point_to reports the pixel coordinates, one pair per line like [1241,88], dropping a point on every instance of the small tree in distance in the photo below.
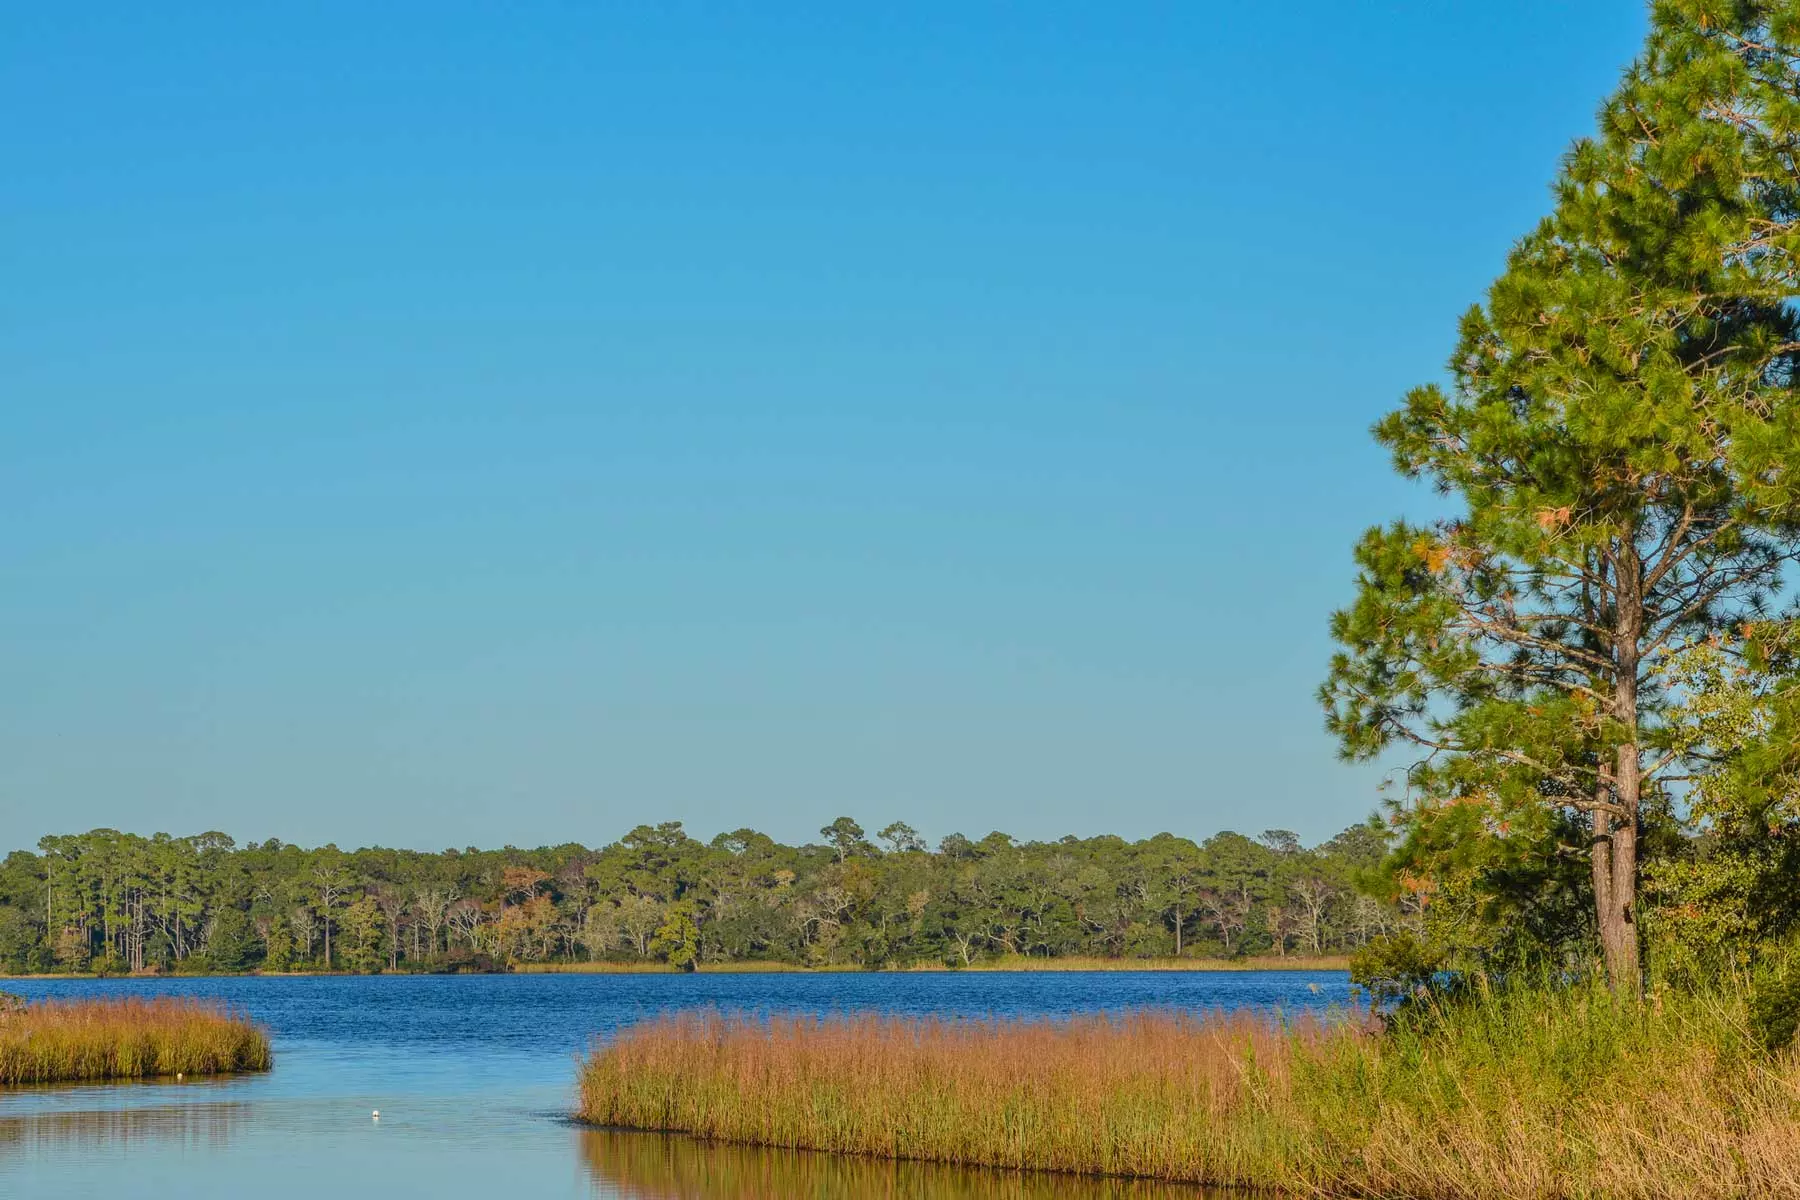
[845,837]
[677,942]
[901,838]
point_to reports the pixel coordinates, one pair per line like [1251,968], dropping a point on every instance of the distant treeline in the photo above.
[117,902]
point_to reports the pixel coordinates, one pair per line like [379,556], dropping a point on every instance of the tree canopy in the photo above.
[117,902]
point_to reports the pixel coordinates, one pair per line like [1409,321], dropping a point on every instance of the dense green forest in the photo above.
[117,902]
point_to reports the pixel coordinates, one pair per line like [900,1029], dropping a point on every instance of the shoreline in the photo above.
[995,966]
[1329,962]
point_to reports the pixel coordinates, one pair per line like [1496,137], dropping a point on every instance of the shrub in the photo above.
[1396,967]
[1774,1014]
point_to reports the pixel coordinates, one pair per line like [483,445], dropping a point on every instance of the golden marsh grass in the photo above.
[60,1041]
[1529,1095]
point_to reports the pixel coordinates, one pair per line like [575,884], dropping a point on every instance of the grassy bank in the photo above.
[59,1041]
[1528,1095]
[1009,963]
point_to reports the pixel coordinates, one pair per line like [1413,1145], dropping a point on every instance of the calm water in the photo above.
[474,1076]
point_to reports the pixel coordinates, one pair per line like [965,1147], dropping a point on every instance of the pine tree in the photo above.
[1618,445]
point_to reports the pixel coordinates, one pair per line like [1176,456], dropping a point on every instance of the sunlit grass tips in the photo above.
[1531,1094]
[57,1041]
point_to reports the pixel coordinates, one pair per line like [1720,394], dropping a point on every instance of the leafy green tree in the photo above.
[18,940]
[1731,895]
[231,942]
[677,942]
[1174,878]
[845,837]
[361,924]
[955,845]
[901,838]
[331,882]
[639,917]
[278,944]
[1615,447]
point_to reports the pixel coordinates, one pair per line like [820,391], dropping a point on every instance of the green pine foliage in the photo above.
[1617,445]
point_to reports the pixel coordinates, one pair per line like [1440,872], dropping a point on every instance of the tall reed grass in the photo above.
[57,1041]
[1540,1095]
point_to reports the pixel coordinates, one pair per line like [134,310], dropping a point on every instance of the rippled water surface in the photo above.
[474,1076]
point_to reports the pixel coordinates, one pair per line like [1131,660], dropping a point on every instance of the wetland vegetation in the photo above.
[123,1037]
[1516,1093]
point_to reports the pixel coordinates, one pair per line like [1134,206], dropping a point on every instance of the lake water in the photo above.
[475,1075]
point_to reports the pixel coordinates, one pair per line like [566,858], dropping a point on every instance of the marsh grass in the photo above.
[1533,1094]
[59,1041]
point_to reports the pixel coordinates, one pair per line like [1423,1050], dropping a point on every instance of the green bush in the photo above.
[1396,967]
[1774,1010]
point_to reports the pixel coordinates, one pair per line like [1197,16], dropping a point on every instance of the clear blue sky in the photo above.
[462,423]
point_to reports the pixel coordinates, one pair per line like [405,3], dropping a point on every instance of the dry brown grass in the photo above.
[56,1041]
[1543,1095]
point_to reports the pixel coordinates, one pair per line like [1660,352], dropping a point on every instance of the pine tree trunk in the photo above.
[1616,901]
[1600,855]
[1618,922]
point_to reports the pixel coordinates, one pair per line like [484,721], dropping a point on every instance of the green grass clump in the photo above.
[60,1041]
[1538,1094]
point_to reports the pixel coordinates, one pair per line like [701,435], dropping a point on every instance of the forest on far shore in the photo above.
[113,902]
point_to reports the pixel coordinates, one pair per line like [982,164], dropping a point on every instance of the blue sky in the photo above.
[452,424]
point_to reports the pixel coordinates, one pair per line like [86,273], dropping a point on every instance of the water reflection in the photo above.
[206,1126]
[656,1166]
[473,1076]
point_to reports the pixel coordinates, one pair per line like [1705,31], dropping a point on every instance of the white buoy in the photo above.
[377,1115]
[178,1077]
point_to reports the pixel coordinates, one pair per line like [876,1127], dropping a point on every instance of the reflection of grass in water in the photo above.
[210,1125]
[126,1038]
[655,1166]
